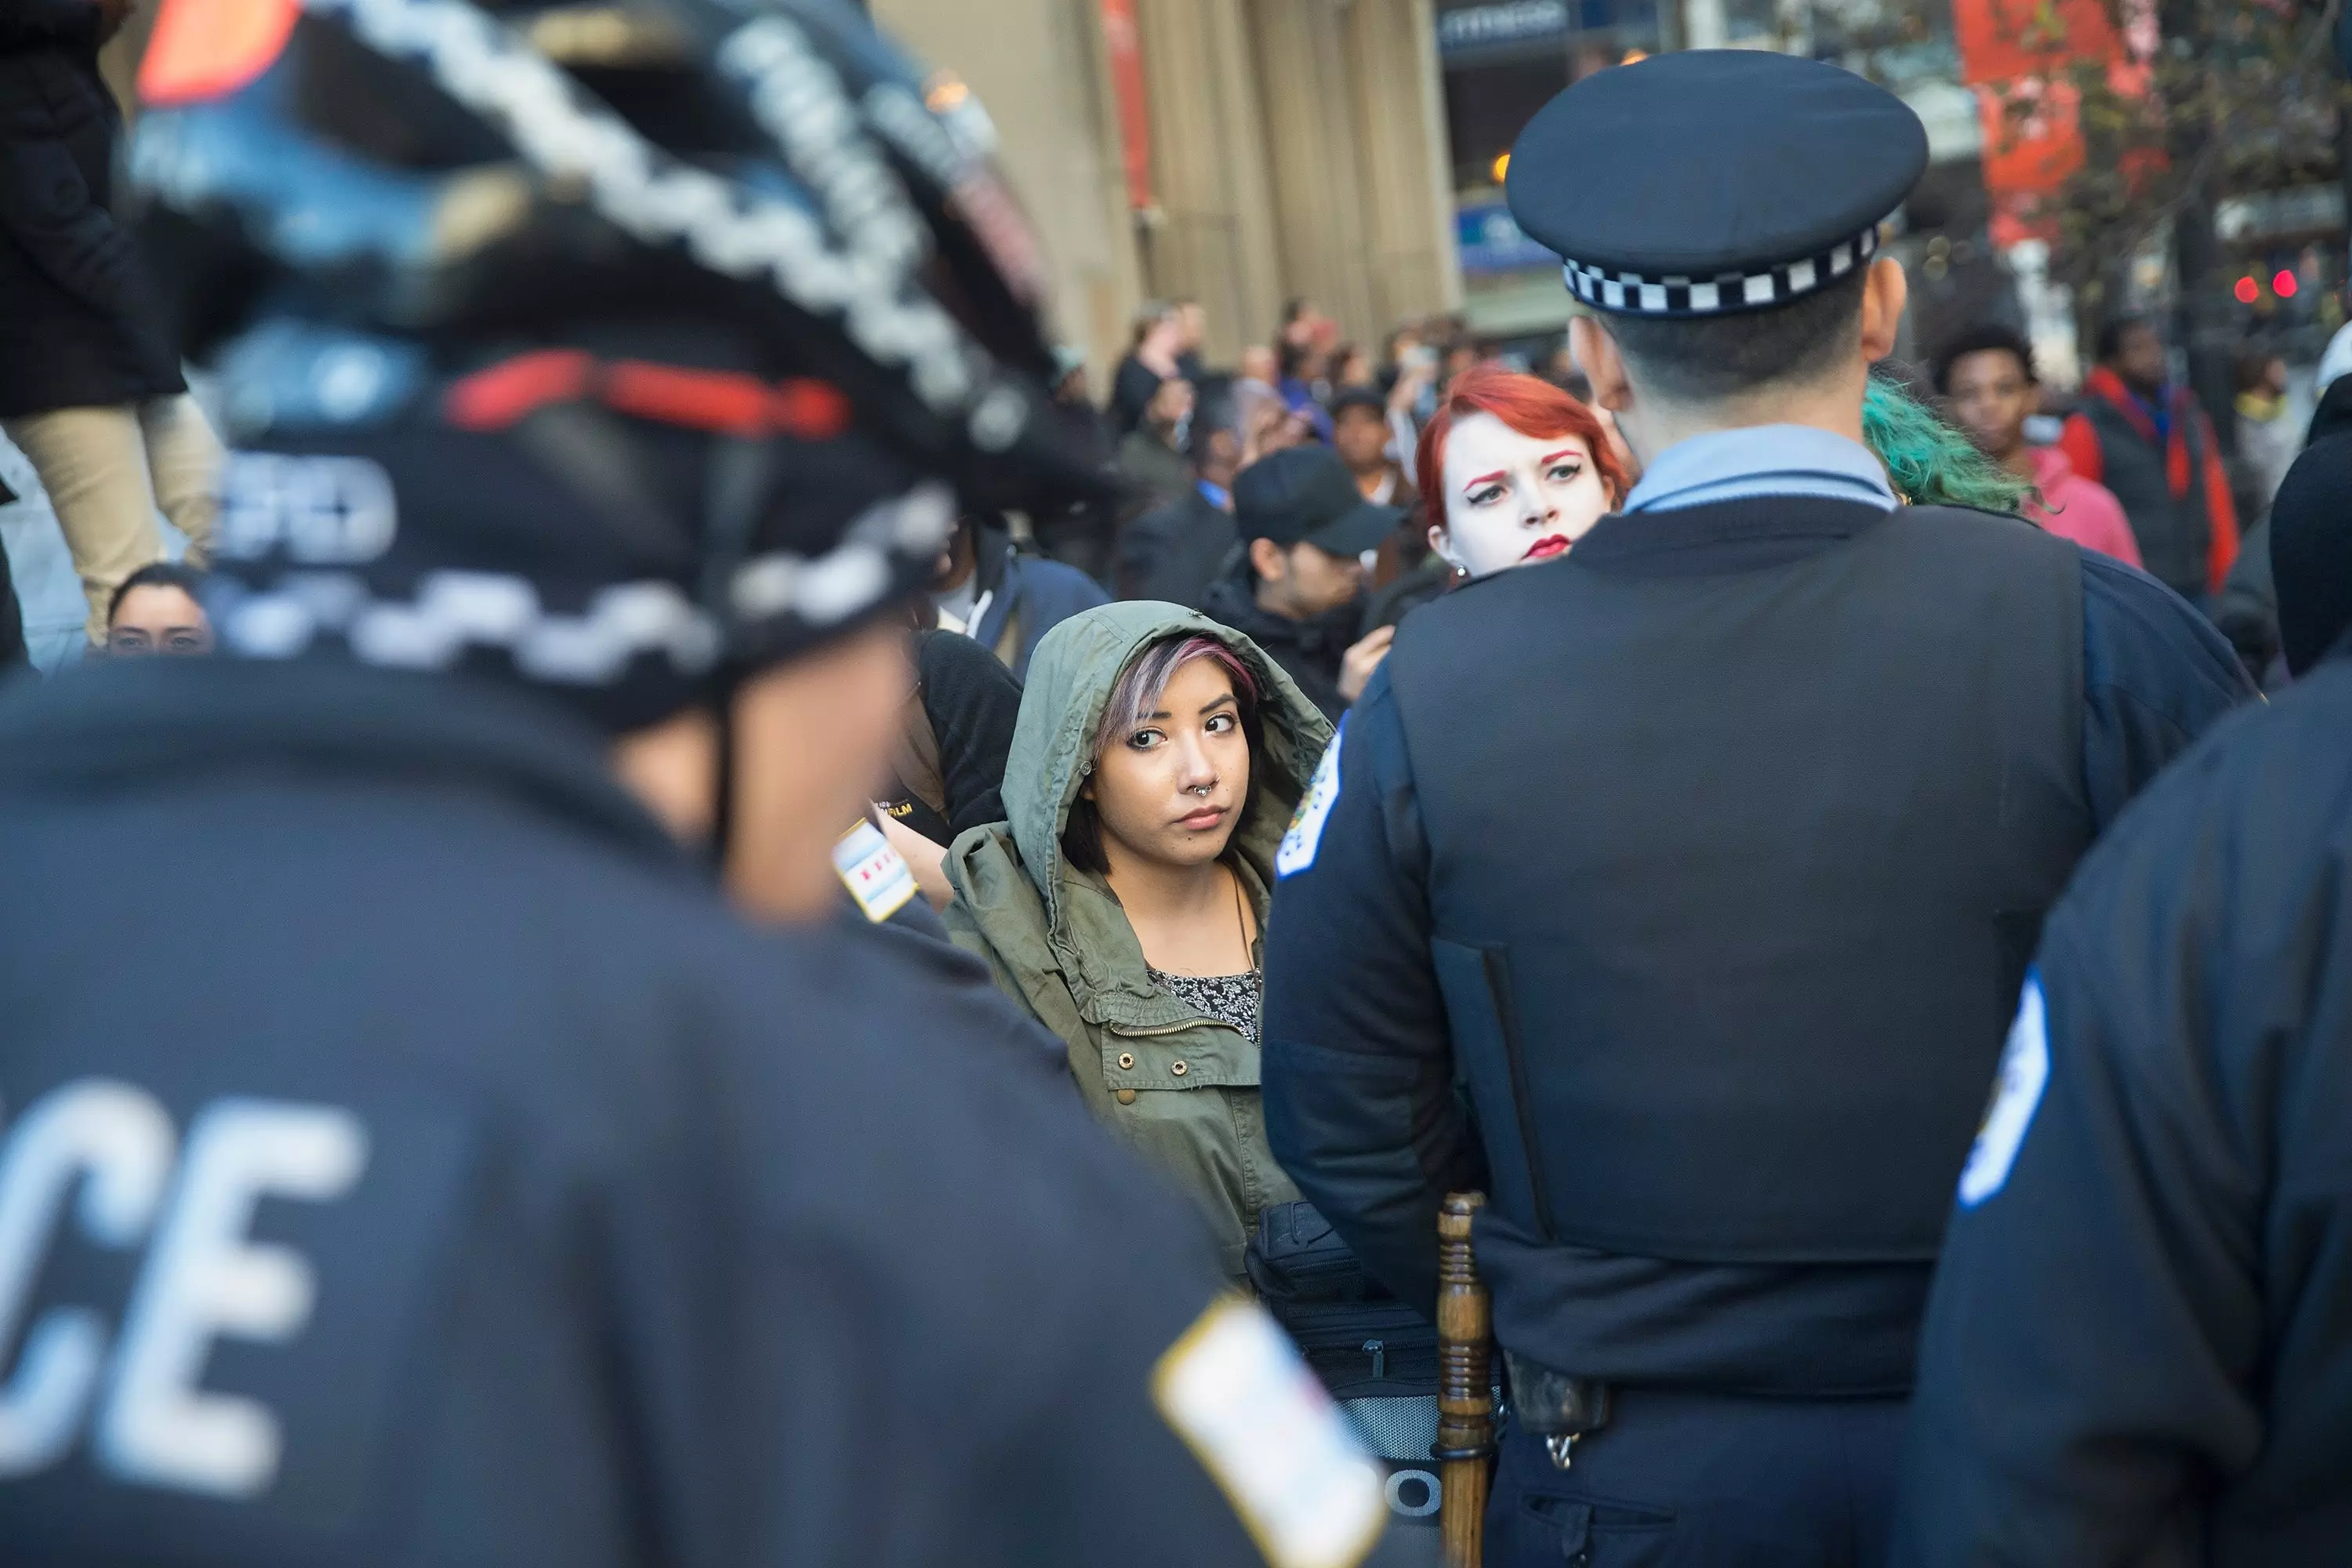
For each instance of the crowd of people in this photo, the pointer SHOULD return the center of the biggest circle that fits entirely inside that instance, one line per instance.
(742, 925)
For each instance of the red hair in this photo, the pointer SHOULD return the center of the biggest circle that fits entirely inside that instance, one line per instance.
(1528, 403)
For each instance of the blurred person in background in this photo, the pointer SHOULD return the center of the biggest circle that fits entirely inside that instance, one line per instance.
(1361, 434)
(1296, 591)
(1351, 365)
(603, 1225)
(1150, 466)
(1259, 366)
(1928, 461)
(1003, 596)
(954, 733)
(91, 387)
(2151, 444)
(1192, 319)
(1298, 375)
(1150, 359)
(158, 610)
(1080, 532)
(1985, 377)
(2268, 438)
(1157, 760)
(1175, 551)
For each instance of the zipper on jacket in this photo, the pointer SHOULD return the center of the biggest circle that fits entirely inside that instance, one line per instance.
(1380, 1349)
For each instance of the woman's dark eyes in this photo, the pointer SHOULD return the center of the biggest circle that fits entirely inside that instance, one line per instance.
(1221, 723)
(1144, 739)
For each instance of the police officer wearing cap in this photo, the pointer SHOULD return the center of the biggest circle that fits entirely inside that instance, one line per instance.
(1296, 586)
(1704, 863)
(2139, 1346)
(409, 1157)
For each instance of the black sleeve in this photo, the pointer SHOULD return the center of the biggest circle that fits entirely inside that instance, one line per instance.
(2095, 1334)
(49, 210)
(974, 703)
(1359, 1092)
(25, 23)
(2156, 675)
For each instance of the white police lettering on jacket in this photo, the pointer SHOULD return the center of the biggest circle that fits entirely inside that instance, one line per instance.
(102, 1158)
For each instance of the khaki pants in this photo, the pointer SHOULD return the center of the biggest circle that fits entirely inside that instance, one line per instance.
(108, 471)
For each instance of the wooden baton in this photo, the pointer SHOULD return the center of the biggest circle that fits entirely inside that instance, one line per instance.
(1466, 1386)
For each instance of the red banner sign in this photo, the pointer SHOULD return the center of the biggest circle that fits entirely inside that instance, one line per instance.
(1125, 48)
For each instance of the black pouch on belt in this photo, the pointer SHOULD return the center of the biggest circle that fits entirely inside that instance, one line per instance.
(1555, 1407)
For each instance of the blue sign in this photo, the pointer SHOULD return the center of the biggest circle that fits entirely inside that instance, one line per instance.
(1489, 240)
(1477, 27)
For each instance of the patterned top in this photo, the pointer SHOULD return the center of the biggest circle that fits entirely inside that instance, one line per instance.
(1231, 999)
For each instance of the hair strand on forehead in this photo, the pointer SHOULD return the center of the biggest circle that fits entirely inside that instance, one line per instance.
(1134, 697)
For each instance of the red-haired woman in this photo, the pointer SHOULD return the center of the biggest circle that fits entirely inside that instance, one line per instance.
(1513, 471)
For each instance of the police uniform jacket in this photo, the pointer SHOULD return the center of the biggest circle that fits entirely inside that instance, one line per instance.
(1678, 890)
(409, 1159)
(2139, 1348)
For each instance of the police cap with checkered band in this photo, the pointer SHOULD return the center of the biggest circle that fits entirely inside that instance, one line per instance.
(617, 348)
(1713, 180)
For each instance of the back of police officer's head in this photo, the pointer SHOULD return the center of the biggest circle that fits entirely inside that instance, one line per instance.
(1807, 362)
(601, 420)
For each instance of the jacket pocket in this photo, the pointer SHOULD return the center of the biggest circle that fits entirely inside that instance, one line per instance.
(1594, 1535)
(1185, 1055)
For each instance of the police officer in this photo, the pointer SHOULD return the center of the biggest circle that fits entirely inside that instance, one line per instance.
(1709, 857)
(2140, 1347)
(408, 1157)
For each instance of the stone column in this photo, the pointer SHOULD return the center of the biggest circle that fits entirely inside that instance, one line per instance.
(1311, 93)
(1407, 198)
(1212, 237)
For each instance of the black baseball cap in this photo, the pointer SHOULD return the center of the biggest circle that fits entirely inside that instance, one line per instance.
(1349, 397)
(1305, 494)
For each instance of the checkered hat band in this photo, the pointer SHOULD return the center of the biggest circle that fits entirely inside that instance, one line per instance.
(1636, 294)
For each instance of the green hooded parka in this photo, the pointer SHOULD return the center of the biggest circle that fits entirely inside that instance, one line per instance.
(1177, 1086)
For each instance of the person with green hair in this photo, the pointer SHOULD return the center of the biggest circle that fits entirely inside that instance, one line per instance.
(1929, 461)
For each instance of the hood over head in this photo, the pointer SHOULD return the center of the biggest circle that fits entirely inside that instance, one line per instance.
(1069, 685)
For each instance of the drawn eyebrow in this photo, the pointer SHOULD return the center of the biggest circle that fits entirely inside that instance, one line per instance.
(1563, 452)
(1485, 478)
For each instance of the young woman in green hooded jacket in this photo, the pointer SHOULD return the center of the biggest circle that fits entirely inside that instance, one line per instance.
(1155, 765)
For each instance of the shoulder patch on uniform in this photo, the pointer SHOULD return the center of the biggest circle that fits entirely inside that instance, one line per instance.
(874, 874)
(1305, 834)
(2024, 1072)
(1235, 1390)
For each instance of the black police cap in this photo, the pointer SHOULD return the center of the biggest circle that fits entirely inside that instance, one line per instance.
(1714, 180)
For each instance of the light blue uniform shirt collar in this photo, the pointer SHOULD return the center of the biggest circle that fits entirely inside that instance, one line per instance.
(1761, 460)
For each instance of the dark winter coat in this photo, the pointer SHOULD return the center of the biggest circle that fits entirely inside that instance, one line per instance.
(1028, 596)
(1175, 551)
(2136, 1348)
(79, 326)
(1310, 652)
(618, 1232)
